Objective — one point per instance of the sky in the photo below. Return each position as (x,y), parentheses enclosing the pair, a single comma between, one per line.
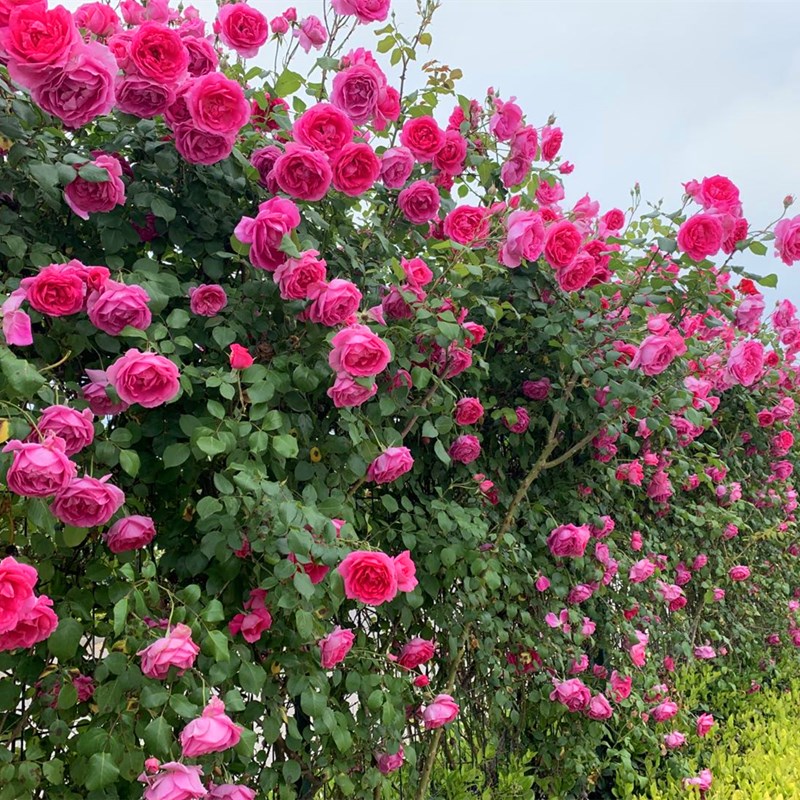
(653,91)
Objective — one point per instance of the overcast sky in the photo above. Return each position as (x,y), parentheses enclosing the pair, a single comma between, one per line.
(651,91)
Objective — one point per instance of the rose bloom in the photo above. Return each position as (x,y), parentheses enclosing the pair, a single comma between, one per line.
(397,164)
(569,541)
(96,395)
(89,197)
(242,28)
(574,694)
(718,193)
(230,791)
(144,97)
(656,353)
(82,90)
(524,238)
(406,571)
(35,624)
(415,652)
(75,428)
(130,533)
(39,470)
(202,56)
(296,275)
(389,763)
(310,33)
(158,53)
(620,686)
(423,137)
(174,781)
(335,646)
(536,390)
(346,393)
(144,378)
(369,577)
(739,573)
(599,708)
(700,236)
(212,732)
(419,202)
(264,160)
(674,740)
(506,120)
(16,598)
(450,159)
(441,711)
(467,225)
(276,217)
(217,104)
(468,411)
(465,449)
(787,240)
(207,299)
(256,621)
(417,272)
(118,306)
(356,90)
(641,570)
(746,362)
(365,11)
(323,127)
(355,169)
(358,352)
(58,290)
(303,173)
(239,357)
(201,147)
(97,18)
(176,649)
(665,711)
(333,303)
(562,242)
(390,465)
(705,722)
(87,502)
(577,274)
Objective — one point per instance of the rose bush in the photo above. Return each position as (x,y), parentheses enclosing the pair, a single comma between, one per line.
(334,437)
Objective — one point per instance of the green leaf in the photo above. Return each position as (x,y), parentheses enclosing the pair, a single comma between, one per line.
(208,506)
(64,641)
(770,281)
(343,739)
(210,446)
(129,461)
(288,83)
(285,445)
(252,677)
(760,249)
(67,696)
(176,454)
(102,771)
(218,644)
(161,208)
(213,612)
(53,770)
(120,615)
(304,622)
(93,173)
(74,536)
(303,584)
(291,771)
(183,707)
(158,736)
(20,379)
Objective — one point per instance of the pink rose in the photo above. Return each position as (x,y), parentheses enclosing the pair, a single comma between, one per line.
(335,646)
(176,649)
(347,393)
(118,306)
(467,225)
(705,722)
(441,711)
(569,541)
(365,11)
(323,127)
(739,573)
(58,290)
(97,18)
(279,25)
(641,570)
(87,502)
(276,217)
(465,449)
(674,740)
(202,56)
(242,28)
(620,686)
(264,160)
(311,33)
(207,299)
(551,142)
(397,164)
(450,159)
(468,411)
(174,781)
(419,202)
(369,577)
(256,621)
(16,598)
(720,194)
(746,362)
(96,395)
(82,90)
(390,763)
(303,173)
(357,91)
(212,732)
(415,652)
(144,97)
(201,147)
(521,422)
(240,357)
(536,390)
(130,533)
(748,314)
(296,275)
(144,378)
(665,711)
(355,169)
(577,274)
(599,708)
(406,572)
(574,694)
(230,791)
(217,104)
(358,352)
(333,303)
(701,236)
(158,53)
(656,353)
(787,240)
(524,238)
(506,120)
(390,465)
(36,623)
(542,583)
(613,220)
(75,428)
(423,137)
(562,243)
(39,470)
(416,271)
(90,197)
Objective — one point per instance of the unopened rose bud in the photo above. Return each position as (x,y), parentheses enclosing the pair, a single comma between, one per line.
(788,200)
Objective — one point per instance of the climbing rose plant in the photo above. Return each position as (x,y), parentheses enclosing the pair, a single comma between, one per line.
(330,432)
